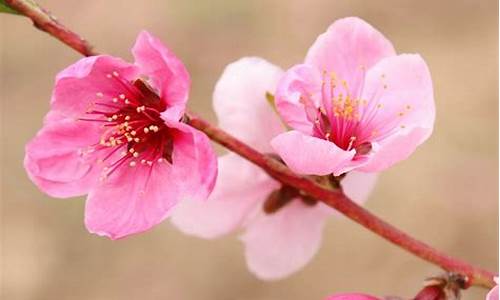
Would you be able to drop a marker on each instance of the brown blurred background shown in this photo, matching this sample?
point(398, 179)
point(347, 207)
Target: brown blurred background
point(446, 194)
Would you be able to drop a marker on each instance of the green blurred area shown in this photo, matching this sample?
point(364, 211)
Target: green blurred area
point(445, 194)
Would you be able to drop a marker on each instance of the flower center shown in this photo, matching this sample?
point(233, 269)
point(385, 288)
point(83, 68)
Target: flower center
point(133, 132)
point(347, 118)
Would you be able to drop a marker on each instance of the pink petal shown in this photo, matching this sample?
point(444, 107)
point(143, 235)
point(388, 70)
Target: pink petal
point(358, 185)
point(241, 105)
point(194, 162)
point(130, 201)
point(240, 187)
point(351, 296)
point(401, 93)
point(298, 82)
point(309, 155)
point(55, 161)
point(493, 293)
point(347, 47)
point(279, 244)
point(166, 72)
point(86, 82)
point(395, 149)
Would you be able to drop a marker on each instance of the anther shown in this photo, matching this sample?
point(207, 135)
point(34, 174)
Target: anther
point(132, 164)
point(115, 74)
point(122, 96)
point(99, 94)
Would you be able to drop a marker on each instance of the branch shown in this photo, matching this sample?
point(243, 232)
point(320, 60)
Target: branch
point(45, 21)
point(340, 202)
point(334, 198)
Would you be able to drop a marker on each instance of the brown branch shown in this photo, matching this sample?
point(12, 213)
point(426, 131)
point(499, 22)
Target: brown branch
point(45, 21)
point(337, 200)
point(334, 198)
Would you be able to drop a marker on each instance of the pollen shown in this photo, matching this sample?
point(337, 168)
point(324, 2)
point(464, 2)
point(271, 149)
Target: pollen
point(132, 164)
point(99, 94)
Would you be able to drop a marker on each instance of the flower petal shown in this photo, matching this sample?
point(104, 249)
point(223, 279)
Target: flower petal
point(299, 82)
point(349, 46)
point(80, 85)
point(402, 97)
point(131, 200)
point(358, 185)
point(395, 149)
point(166, 72)
point(351, 296)
point(56, 159)
point(493, 293)
point(309, 155)
point(241, 105)
point(240, 187)
point(279, 244)
point(194, 162)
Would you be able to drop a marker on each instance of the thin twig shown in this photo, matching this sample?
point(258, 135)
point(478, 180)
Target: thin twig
point(336, 199)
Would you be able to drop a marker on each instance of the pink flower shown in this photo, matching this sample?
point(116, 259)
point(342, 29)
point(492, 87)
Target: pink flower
point(351, 297)
point(354, 103)
point(114, 131)
point(493, 294)
point(277, 243)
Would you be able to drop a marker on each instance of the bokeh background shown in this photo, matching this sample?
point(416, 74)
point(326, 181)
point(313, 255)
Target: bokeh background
point(446, 194)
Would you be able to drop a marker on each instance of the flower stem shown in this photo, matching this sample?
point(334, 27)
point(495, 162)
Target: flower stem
point(334, 198)
point(337, 200)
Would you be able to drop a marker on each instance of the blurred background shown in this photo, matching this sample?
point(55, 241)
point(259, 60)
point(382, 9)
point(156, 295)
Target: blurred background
point(446, 194)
